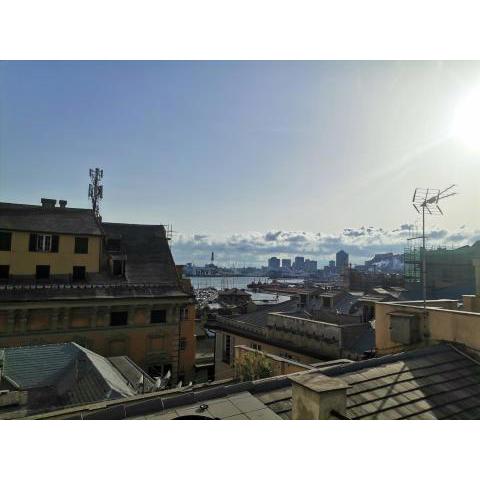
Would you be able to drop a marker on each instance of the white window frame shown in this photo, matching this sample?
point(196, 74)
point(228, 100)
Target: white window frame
point(44, 243)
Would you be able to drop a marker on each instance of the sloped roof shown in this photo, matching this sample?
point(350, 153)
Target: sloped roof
point(73, 373)
point(34, 218)
point(149, 259)
point(259, 317)
point(438, 382)
point(37, 366)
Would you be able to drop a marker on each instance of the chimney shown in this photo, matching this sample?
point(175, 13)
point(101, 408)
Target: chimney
point(48, 202)
point(315, 396)
point(62, 203)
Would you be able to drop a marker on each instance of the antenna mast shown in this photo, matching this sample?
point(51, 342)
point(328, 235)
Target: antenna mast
point(95, 190)
point(425, 201)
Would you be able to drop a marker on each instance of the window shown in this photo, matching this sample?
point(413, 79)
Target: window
point(43, 272)
point(79, 274)
point(256, 346)
point(226, 351)
point(81, 245)
point(182, 343)
point(4, 272)
point(158, 316)
point(159, 370)
point(43, 243)
point(118, 319)
point(5, 241)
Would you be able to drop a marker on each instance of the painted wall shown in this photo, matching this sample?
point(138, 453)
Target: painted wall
point(145, 343)
point(24, 262)
point(225, 370)
point(440, 325)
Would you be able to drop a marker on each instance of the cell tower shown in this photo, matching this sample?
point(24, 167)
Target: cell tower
point(95, 190)
point(426, 202)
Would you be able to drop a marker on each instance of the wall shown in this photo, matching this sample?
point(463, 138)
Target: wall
point(88, 323)
point(224, 370)
point(440, 325)
point(24, 262)
point(325, 338)
point(280, 366)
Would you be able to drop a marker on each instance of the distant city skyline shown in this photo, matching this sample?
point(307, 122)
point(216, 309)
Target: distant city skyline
point(248, 159)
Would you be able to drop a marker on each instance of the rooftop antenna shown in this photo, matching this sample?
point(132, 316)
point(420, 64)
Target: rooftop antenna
point(426, 201)
point(95, 190)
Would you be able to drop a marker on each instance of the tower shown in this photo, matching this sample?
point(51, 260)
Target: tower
point(95, 190)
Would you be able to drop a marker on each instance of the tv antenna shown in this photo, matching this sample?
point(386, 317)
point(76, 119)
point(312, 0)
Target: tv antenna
point(426, 202)
point(95, 190)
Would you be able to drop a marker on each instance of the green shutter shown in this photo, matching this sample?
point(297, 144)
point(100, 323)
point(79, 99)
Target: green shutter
point(33, 242)
point(55, 241)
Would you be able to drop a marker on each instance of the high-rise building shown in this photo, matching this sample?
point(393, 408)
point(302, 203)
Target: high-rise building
point(274, 264)
point(310, 266)
point(286, 263)
point(299, 263)
point(341, 260)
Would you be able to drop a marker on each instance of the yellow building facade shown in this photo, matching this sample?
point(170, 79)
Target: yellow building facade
point(23, 261)
point(113, 288)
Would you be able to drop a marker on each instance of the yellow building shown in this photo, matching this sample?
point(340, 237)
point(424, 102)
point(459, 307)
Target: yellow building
point(113, 288)
point(403, 326)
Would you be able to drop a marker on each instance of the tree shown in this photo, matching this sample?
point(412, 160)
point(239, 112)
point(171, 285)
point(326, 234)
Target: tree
point(253, 366)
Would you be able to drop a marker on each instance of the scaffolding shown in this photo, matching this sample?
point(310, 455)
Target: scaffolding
point(412, 264)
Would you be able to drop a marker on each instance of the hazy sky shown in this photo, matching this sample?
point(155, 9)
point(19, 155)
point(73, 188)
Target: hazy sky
point(246, 158)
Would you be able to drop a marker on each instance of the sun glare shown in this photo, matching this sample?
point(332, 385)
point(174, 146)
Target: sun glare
point(466, 124)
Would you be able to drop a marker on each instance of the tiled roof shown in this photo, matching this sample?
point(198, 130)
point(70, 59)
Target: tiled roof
point(37, 366)
point(438, 382)
point(149, 259)
point(259, 317)
point(33, 218)
point(70, 373)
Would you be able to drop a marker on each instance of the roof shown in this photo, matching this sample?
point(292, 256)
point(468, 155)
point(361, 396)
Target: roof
point(438, 382)
point(260, 315)
point(35, 218)
point(149, 259)
point(70, 373)
point(37, 366)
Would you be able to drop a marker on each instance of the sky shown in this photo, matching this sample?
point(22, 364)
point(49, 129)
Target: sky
point(247, 159)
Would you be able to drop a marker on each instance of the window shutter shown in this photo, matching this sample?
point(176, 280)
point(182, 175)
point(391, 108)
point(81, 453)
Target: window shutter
point(33, 242)
point(55, 243)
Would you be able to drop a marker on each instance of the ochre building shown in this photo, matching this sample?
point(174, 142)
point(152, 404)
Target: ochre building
point(114, 288)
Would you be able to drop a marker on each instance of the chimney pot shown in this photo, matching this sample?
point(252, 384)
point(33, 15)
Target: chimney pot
point(48, 202)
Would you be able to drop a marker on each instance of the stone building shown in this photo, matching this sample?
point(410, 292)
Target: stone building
point(113, 288)
point(289, 331)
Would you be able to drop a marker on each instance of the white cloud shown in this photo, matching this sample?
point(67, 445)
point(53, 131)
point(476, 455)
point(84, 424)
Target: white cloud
point(254, 248)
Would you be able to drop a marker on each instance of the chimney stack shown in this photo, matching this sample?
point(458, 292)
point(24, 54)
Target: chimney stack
point(62, 203)
point(48, 202)
point(315, 396)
